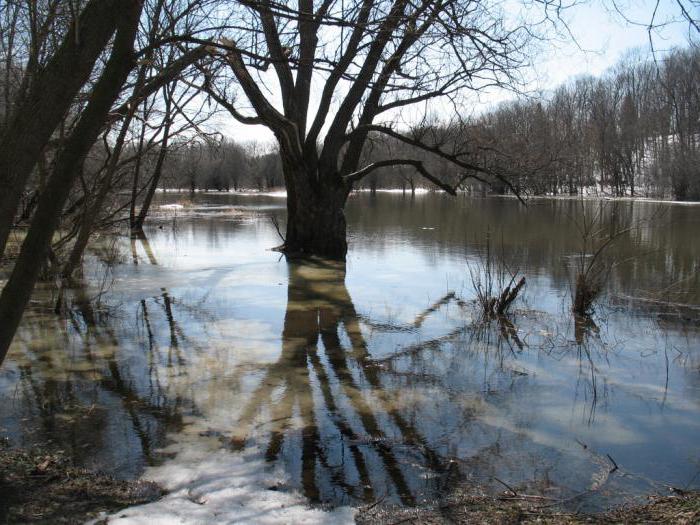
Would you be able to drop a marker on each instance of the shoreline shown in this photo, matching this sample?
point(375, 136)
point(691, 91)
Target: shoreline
point(41, 487)
point(281, 193)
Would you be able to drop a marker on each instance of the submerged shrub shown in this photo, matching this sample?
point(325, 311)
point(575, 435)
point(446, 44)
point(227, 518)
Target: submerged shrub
point(586, 292)
point(496, 286)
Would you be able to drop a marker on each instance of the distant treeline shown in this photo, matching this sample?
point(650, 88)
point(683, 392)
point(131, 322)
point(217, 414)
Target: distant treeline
point(635, 131)
point(223, 165)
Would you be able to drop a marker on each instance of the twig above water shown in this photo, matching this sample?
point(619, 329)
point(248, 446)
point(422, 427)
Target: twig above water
point(511, 489)
point(276, 224)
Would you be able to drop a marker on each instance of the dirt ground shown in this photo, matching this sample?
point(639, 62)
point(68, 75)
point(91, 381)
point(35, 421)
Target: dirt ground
point(678, 509)
point(41, 487)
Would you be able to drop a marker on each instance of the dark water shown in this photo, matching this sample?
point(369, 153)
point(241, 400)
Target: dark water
point(379, 379)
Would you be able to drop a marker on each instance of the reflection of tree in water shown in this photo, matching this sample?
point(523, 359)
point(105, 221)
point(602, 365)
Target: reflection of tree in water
point(342, 422)
point(327, 391)
point(75, 407)
point(143, 408)
point(322, 377)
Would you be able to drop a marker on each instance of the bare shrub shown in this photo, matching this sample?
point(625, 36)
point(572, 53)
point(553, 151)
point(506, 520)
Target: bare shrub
point(496, 286)
point(593, 265)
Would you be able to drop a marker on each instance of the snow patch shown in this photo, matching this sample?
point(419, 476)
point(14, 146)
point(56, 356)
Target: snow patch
point(214, 485)
point(251, 193)
point(417, 191)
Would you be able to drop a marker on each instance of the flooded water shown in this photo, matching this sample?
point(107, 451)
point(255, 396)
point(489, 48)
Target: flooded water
point(377, 379)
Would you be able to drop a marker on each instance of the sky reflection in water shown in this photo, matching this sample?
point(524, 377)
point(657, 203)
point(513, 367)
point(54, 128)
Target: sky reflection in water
point(376, 379)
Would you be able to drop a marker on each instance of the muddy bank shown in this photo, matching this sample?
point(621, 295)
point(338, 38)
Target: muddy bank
point(41, 487)
point(679, 509)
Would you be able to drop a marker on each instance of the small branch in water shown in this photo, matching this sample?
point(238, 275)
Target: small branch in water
point(511, 489)
point(377, 502)
point(276, 224)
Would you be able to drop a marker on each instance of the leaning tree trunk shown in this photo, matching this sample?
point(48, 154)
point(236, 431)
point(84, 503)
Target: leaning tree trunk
point(137, 224)
point(315, 217)
point(49, 97)
point(92, 210)
point(17, 291)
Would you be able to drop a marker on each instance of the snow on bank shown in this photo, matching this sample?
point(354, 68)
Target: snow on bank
point(214, 485)
point(417, 191)
point(245, 193)
point(598, 197)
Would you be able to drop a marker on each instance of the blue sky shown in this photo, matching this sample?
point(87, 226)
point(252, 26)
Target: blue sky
point(601, 37)
point(604, 36)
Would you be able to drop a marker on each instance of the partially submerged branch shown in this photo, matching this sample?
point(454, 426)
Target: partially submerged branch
point(471, 169)
point(418, 165)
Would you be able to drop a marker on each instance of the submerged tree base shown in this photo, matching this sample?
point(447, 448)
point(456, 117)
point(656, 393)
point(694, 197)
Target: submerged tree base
point(334, 252)
point(41, 487)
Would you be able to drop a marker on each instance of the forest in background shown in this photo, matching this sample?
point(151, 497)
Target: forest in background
point(103, 102)
point(635, 131)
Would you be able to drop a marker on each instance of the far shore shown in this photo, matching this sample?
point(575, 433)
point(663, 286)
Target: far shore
point(281, 192)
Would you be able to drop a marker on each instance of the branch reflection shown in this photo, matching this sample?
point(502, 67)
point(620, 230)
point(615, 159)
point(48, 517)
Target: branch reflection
point(321, 379)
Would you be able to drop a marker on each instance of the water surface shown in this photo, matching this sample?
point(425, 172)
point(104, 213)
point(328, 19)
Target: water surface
point(378, 379)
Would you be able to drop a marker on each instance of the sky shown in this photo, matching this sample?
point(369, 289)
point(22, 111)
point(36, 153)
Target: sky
point(603, 37)
point(600, 37)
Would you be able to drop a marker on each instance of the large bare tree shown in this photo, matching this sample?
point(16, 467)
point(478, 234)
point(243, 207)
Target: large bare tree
point(326, 76)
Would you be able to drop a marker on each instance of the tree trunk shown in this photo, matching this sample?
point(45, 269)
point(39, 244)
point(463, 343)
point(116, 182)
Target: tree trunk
point(92, 210)
point(157, 172)
point(137, 223)
point(17, 291)
point(46, 103)
point(315, 218)
point(137, 172)
point(86, 229)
